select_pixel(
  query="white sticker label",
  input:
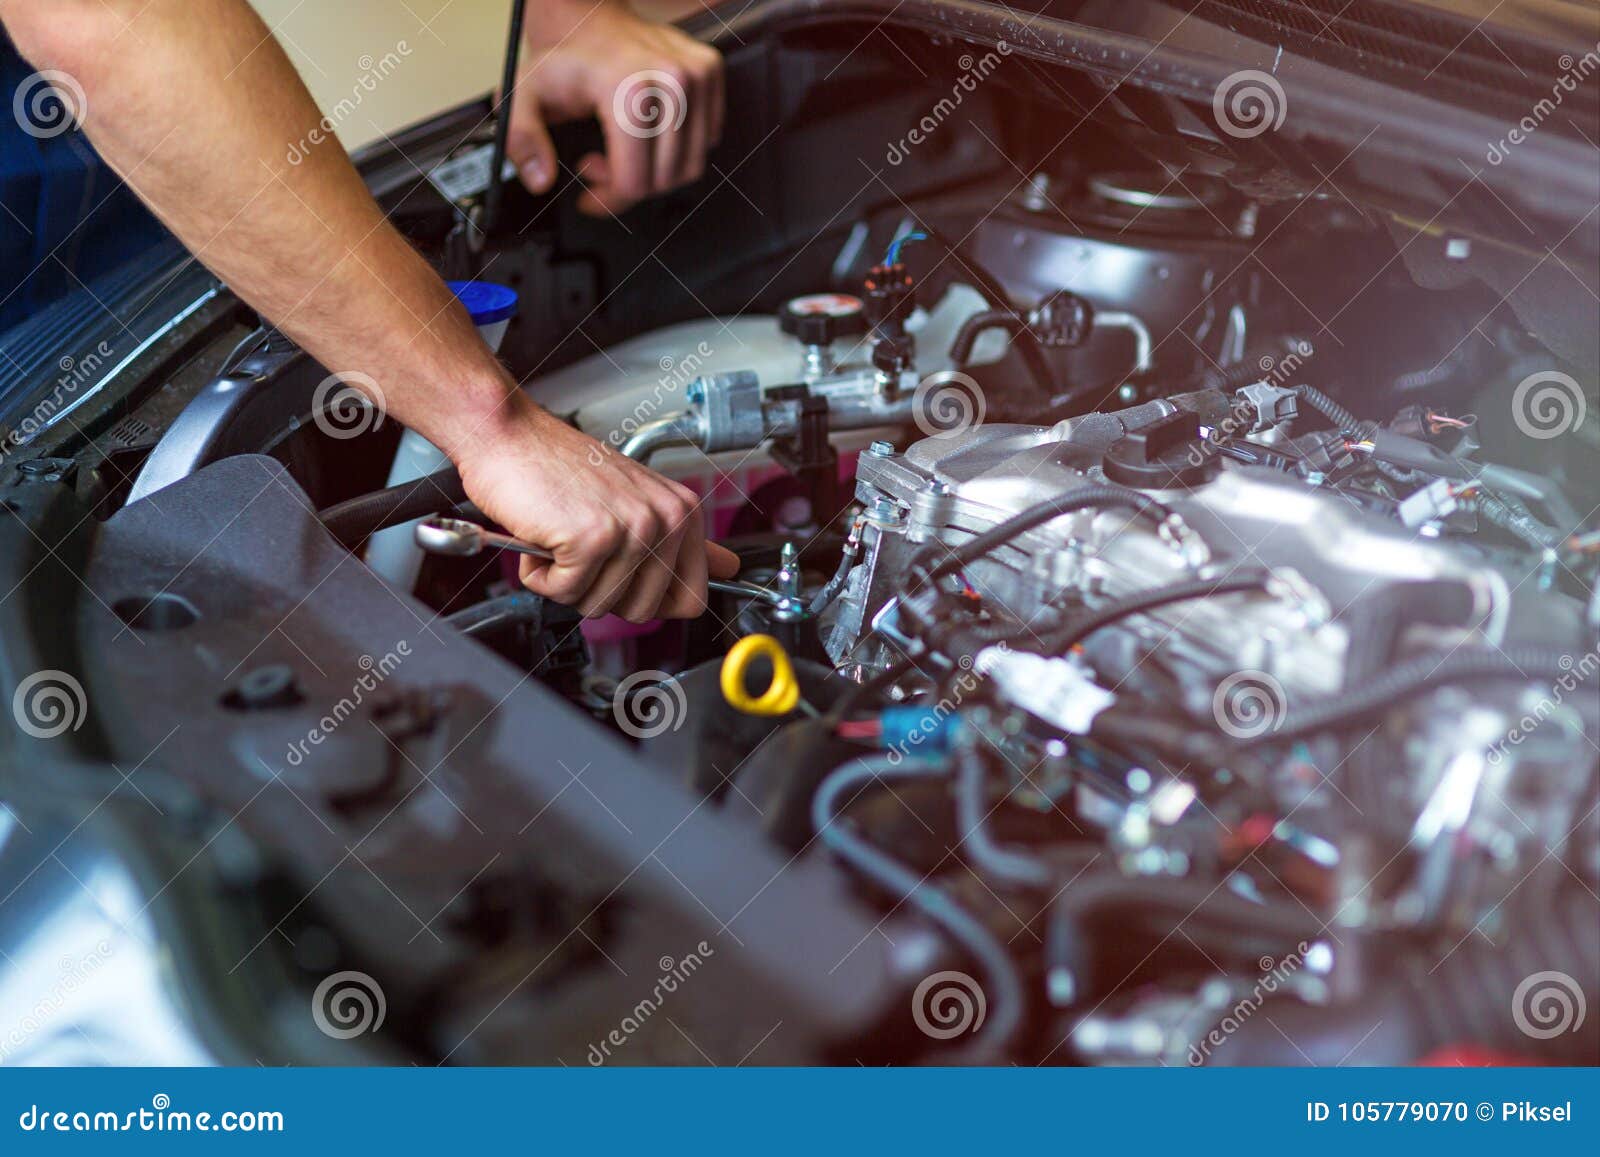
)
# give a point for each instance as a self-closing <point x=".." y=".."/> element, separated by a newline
<point x="467" y="175"/>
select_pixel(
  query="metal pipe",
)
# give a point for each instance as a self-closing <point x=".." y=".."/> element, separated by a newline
<point x="681" y="429"/>
<point x="1143" y="349"/>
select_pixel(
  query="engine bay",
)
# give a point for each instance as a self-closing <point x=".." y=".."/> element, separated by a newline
<point x="1168" y="595"/>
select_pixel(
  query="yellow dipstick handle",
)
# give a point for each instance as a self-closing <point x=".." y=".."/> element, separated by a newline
<point x="780" y="698"/>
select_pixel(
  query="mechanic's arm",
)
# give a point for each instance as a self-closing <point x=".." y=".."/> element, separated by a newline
<point x="196" y="106"/>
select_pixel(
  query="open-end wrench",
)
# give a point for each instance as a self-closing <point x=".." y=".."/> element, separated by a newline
<point x="457" y="536"/>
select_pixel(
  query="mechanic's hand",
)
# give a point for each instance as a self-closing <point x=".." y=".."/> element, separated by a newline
<point x="626" y="540"/>
<point x="657" y="94"/>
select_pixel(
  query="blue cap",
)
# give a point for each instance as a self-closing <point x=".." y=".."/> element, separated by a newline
<point x="485" y="301"/>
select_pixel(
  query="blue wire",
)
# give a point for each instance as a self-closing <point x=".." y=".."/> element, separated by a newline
<point x="893" y="256"/>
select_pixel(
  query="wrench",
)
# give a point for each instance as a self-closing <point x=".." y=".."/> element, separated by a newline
<point x="458" y="537"/>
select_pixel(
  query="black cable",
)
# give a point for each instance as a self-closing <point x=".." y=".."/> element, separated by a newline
<point x="1343" y="419"/>
<point x="1248" y="369"/>
<point x="1386" y="689"/>
<point x="1408" y="461"/>
<point x="355" y="519"/>
<point x="1141" y="730"/>
<point x="1057" y="642"/>
<point x="502" y="128"/>
<point x="1005" y="998"/>
<point x="862" y="692"/>
<point x="1515" y="519"/>
<point x="990" y="286"/>
<point x="994" y="291"/>
<point x="953" y="636"/>
<point x="1024" y="341"/>
<point x="964" y="636"/>
<point x="492" y="614"/>
<point x="1093" y="496"/>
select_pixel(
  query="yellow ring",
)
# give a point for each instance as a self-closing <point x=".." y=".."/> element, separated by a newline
<point x="780" y="697"/>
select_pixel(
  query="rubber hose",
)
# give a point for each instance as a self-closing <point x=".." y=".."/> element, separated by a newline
<point x="1374" y="634"/>
<point x="1023" y="340"/>
<point x="992" y="291"/>
<point x="1005" y="998"/>
<point x="977" y="324"/>
<point x="999" y="864"/>
<point x="355" y="519"/>
<point x="1387" y="688"/>
<point x="1069" y="952"/>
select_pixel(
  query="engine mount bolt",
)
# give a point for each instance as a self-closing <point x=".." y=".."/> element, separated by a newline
<point x="881" y="449"/>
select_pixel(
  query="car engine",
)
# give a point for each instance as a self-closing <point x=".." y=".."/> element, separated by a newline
<point x="1168" y="630"/>
<point x="1217" y="679"/>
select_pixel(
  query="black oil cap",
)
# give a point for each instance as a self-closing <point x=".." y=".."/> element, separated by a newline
<point x="1165" y="455"/>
